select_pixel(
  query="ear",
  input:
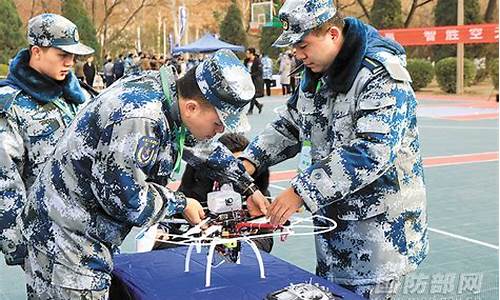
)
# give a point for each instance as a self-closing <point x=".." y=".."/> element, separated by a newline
<point x="191" y="107"/>
<point x="334" y="32"/>
<point x="35" y="52"/>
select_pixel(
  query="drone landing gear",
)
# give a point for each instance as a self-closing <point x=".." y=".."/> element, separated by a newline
<point x="210" y="256"/>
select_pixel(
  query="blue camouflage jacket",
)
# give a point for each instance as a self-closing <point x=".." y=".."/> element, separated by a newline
<point x="109" y="173"/>
<point x="31" y="123"/>
<point x="366" y="171"/>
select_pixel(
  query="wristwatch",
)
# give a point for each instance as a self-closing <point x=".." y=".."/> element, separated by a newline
<point x="252" y="188"/>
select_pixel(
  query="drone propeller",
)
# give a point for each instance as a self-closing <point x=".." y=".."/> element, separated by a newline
<point x="215" y="232"/>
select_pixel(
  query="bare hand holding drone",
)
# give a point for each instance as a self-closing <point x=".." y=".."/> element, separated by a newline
<point x="284" y="206"/>
<point x="257" y="204"/>
<point x="193" y="212"/>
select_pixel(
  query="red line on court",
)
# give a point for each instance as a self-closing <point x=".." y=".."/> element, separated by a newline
<point x="425" y="96"/>
<point x="460" y="159"/>
<point x="429" y="162"/>
<point x="472" y="117"/>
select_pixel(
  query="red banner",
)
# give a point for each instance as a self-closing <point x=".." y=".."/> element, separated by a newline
<point x="467" y="34"/>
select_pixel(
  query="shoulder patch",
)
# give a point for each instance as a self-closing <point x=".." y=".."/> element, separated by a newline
<point x="371" y="64"/>
<point x="394" y="65"/>
<point x="146" y="150"/>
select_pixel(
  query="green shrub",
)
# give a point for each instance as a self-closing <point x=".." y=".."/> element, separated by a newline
<point x="421" y="72"/>
<point x="446" y="73"/>
<point x="3" y="70"/>
<point x="493" y="68"/>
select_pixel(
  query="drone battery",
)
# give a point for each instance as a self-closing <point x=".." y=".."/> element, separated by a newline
<point x="224" y="201"/>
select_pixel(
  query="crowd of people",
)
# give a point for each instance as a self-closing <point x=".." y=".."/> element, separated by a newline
<point x="79" y="170"/>
<point x="262" y="72"/>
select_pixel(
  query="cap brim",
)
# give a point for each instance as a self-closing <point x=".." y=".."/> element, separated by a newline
<point x="234" y="122"/>
<point x="288" y="38"/>
<point x="78" y="49"/>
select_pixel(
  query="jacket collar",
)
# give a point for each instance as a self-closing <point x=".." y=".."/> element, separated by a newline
<point x="344" y="69"/>
<point x="341" y="74"/>
<point x="39" y="86"/>
<point x="169" y="89"/>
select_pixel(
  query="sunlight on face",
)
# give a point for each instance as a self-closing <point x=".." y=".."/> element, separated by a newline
<point x="52" y="62"/>
<point x="201" y="120"/>
<point x="318" y="51"/>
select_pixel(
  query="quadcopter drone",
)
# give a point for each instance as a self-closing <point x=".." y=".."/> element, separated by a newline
<point x="228" y="224"/>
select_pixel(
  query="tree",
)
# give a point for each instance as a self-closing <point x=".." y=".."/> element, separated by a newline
<point x="415" y="4"/>
<point x="445" y="13"/>
<point x="491" y="13"/>
<point x="75" y="12"/>
<point x="269" y="34"/>
<point x="11" y="34"/>
<point x="386" y="14"/>
<point x="231" y="28"/>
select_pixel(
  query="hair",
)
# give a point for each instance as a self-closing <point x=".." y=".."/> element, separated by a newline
<point x="187" y="87"/>
<point x="235" y="142"/>
<point x="337" y="20"/>
<point x="44" y="49"/>
<point x="252" y="51"/>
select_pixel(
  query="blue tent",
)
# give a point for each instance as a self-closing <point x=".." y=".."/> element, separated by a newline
<point x="207" y="43"/>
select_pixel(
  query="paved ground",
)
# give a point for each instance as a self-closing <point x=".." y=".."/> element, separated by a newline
<point x="460" y="149"/>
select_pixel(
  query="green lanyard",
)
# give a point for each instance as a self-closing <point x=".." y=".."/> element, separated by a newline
<point x="64" y="107"/>
<point x="318" y="87"/>
<point x="180" y="133"/>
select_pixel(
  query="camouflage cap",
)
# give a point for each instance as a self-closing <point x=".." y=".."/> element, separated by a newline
<point x="299" y="17"/>
<point x="226" y="84"/>
<point x="51" y="30"/>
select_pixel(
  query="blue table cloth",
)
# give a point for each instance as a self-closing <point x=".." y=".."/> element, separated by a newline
<point x="160" y="275"/>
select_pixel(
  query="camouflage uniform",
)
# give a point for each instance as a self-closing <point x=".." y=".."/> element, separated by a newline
<point x="31" y="122"/>
<point x="109" y="173"/>
<point x="366" y="169"/>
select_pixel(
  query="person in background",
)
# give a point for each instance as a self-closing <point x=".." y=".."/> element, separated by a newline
<point x="267" y="72"/>
<point x="118" y="67"/>
<point x="285" y="69"/>
<point x="130" y="67"/>
<point x="109" y="76"/>
<point x="254" y="66"/>
<point x="154" y="63"/>
<point x="144" y="63"/>
<point x="293" y="65"/>
<point x="89" y="70"/>
<point x="80" y="75"/>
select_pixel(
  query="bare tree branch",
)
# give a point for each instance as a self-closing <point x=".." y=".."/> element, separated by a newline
<point x="108" y="11"/>
<point x="341" y="6"/>
<point x="364" y="8"/>
<point x="414" y="5"/>
<point x="489" y="15"/>
<point x="32" y="11"/>
<point x="45" y="6"/>
<point x="142" y="5"/>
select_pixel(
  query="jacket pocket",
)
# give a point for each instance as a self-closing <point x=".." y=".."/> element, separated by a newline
<point x="41" y="128"/>
<point x="358" y="209"/>
<point x="79" y="278"/>
<point x="372" y="117"/>
<point x="108" y="231"/>
<point x="376" y="103"/>
<point x="42" y="137"/>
